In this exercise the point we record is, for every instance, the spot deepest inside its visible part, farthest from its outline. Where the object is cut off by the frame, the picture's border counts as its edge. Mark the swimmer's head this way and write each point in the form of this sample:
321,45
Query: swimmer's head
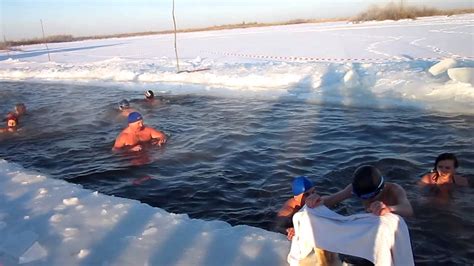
149,94
445,164
124,104
11,123
12,120
20,108
367,182
134,117
301,184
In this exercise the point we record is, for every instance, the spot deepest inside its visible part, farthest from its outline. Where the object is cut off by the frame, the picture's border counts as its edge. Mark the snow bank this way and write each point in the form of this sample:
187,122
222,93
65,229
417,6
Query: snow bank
51,222
387,85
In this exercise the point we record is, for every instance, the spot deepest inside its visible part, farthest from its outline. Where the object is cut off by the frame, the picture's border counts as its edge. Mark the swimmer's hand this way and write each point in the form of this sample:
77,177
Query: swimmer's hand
158,142
290,233
313,200
136,148
379,208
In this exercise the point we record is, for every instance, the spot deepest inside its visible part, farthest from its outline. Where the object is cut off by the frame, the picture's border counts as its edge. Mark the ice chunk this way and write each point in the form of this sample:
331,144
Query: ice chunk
442,66
462,74
71,201
83,253
16,244
34,253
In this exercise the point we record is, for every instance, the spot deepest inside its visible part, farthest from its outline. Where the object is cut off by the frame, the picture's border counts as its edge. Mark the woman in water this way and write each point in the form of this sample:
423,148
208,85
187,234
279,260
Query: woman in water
12,123
444,172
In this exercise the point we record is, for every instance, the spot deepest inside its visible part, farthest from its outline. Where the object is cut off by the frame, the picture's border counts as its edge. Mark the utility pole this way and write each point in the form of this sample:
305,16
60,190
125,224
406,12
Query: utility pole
175,49
44,40
6,45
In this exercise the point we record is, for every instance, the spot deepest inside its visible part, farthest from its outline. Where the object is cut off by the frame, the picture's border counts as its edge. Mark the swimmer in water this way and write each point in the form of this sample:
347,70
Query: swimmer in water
12,123
369,186
302,188
136,133
444,172
125,109
20,109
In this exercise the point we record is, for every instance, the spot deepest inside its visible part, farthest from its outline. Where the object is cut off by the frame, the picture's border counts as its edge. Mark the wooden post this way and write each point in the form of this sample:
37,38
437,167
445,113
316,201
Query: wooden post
175,49
44,40
6,45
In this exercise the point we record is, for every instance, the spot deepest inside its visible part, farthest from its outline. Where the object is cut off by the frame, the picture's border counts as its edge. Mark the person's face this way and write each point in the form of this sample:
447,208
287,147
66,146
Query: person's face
137,125
300,199
11,123
445,167
20,110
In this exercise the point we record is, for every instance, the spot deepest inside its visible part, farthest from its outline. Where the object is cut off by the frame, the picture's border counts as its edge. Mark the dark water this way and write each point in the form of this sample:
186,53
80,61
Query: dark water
234,159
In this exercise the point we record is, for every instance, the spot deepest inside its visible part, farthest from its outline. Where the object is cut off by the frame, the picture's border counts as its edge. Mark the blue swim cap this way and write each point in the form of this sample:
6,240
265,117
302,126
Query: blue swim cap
134,117
301,184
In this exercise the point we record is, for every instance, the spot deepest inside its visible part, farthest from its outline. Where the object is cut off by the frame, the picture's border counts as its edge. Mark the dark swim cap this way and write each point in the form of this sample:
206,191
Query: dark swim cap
124,104
134,117
301,184
149,94
367,182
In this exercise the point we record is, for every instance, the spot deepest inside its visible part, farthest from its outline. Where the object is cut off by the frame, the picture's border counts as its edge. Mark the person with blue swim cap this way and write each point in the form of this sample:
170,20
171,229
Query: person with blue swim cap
302,187
137,133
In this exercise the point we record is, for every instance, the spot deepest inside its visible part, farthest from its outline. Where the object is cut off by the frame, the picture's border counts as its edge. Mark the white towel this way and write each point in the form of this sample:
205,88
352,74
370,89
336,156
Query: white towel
383,240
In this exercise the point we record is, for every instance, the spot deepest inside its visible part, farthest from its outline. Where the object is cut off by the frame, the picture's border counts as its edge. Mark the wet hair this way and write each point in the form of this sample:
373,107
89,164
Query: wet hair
366,180
443,157
124,104
149,94
446,156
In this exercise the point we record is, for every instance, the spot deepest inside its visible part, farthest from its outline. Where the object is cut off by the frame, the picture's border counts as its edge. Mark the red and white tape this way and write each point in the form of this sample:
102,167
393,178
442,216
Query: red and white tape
320,59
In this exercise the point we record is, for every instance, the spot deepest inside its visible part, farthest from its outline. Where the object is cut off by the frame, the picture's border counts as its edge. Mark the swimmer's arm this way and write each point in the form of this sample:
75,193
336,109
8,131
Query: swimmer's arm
337,197
287,210
156,134
403,208
284,220
119,143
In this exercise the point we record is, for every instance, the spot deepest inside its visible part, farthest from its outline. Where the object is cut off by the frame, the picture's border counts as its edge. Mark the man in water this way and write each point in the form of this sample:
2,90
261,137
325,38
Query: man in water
377,196
125,109
20,109
149,95
302,188
151,100
137,133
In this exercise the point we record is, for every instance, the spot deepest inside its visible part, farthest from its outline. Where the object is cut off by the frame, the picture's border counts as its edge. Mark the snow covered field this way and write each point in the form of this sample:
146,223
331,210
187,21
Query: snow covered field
388,61
378,64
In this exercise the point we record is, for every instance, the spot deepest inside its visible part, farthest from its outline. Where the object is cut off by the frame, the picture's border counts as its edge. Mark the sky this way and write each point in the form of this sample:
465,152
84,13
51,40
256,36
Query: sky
20,19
